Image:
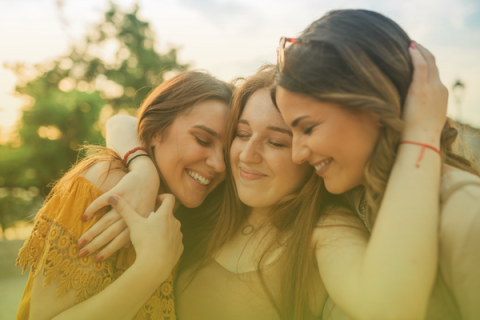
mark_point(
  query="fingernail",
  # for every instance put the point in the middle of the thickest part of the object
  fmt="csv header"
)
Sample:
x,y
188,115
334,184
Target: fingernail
x,y
83,253
81,243
98,258
412,45
84,217
113,200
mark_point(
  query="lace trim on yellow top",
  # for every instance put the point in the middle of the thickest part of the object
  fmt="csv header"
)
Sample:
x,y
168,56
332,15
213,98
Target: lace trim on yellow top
x,y
52,249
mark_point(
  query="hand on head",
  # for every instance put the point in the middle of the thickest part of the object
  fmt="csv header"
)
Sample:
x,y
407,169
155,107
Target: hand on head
x,y
425,108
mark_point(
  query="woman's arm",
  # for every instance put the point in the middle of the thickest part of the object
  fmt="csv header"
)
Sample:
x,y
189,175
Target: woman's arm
x,y
111,230
158,246
390,275
122,133
120,300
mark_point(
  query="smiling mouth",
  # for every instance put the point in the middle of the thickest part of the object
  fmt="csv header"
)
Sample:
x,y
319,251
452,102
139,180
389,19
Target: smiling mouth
x,y
323,164
251,175
202,180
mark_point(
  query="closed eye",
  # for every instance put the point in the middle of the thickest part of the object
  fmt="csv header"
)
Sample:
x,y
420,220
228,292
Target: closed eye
x,y
309,129
202,143
278,145
241,135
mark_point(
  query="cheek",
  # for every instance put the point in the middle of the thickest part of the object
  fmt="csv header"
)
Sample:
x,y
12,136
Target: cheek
x,y
290,176
235,150
298,175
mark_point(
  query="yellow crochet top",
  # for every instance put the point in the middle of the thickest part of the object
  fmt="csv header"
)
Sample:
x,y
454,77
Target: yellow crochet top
x,y
52,250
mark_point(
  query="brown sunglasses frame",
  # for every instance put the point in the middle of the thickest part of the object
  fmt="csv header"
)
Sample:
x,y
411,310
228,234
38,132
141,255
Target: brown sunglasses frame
x,y
281,49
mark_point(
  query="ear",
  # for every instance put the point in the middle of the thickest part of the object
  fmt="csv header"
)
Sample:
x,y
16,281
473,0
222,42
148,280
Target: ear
x,y
157,138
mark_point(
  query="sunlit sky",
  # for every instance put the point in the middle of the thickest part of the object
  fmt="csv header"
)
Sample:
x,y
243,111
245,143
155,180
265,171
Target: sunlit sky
x,y
233,38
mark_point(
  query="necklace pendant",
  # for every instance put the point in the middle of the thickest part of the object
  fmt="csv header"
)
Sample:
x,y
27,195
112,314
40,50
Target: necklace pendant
x,y
247,230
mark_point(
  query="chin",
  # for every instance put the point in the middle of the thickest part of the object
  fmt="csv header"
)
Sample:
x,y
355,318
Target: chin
x,y
335,188
252,200
192,203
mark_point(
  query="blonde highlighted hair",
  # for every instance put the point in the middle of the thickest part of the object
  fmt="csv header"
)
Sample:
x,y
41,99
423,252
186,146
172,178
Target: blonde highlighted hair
x,y
360,61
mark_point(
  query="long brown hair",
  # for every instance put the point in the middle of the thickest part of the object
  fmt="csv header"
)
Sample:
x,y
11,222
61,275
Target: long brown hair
x,y
157,112
296,212
360,61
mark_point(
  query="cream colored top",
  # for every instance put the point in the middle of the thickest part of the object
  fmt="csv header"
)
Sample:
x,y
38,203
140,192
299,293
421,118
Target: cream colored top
x,y
456,292
215,293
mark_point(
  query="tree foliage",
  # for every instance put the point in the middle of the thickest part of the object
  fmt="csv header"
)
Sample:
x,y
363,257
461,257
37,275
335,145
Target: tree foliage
x,y
69,99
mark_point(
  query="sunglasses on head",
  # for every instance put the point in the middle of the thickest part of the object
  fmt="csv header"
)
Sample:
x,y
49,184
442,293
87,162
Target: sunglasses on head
x,y
284,43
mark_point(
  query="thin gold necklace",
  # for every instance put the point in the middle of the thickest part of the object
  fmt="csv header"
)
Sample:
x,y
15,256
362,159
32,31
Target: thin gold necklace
x,y
362,209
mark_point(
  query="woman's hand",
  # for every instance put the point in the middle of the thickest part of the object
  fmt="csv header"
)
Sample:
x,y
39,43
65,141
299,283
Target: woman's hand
x,y
425,109
157,239
139,188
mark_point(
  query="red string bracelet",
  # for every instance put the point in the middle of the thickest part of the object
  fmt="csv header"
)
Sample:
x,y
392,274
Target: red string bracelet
x,y
125,158
423,150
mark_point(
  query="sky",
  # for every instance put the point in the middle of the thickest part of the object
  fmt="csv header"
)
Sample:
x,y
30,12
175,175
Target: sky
x,y
233,38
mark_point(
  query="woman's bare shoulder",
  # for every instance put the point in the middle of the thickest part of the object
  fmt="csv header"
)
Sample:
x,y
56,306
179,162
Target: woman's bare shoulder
x,y
338,223
458,185
102,177
460,209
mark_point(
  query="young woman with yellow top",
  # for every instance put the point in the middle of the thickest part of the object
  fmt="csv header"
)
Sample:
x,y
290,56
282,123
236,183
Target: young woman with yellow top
x,y
364,229
181,124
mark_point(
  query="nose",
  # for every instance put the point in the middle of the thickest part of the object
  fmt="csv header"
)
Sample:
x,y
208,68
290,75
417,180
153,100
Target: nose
x,y
250,153
300,151
217,160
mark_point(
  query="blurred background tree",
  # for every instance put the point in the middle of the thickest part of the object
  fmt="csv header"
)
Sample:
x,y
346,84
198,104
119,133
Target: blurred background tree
x,y
69,99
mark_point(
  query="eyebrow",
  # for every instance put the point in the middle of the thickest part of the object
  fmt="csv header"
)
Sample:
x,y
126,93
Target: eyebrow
x,y
207,129
296,121
282,130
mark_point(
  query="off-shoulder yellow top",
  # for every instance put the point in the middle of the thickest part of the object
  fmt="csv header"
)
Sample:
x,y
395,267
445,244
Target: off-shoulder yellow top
x,y
52,250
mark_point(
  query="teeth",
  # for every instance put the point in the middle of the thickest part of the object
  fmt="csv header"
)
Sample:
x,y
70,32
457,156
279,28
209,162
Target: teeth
x,y
199,178
323,164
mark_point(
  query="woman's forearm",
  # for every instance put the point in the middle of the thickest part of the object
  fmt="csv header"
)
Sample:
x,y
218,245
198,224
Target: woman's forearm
x,y
123,298
122,133
122,137
399,265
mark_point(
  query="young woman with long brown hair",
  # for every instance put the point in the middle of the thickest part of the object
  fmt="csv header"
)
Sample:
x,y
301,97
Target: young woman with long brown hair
x,y
276,250
181,123
345,87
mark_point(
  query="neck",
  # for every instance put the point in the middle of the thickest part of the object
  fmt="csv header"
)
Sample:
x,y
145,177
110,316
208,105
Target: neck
x,y
257,216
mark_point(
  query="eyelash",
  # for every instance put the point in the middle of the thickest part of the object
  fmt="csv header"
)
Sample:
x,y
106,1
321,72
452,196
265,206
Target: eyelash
x,y
309,129
202,143
277,145
240,135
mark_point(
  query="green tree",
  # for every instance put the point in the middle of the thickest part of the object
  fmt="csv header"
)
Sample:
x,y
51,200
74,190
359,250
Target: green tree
x,y
69,99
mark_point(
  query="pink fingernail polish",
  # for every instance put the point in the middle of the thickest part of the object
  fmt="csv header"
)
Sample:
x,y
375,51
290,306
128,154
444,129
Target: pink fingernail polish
x,y
81,243
412,45
113,200
83,253
84,217
98,258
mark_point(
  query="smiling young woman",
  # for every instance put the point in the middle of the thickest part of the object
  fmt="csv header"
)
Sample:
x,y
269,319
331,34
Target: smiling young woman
x,y
376,132
181,124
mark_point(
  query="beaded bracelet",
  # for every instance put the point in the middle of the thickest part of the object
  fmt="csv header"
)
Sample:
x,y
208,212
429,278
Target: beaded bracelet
x,y
125,158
